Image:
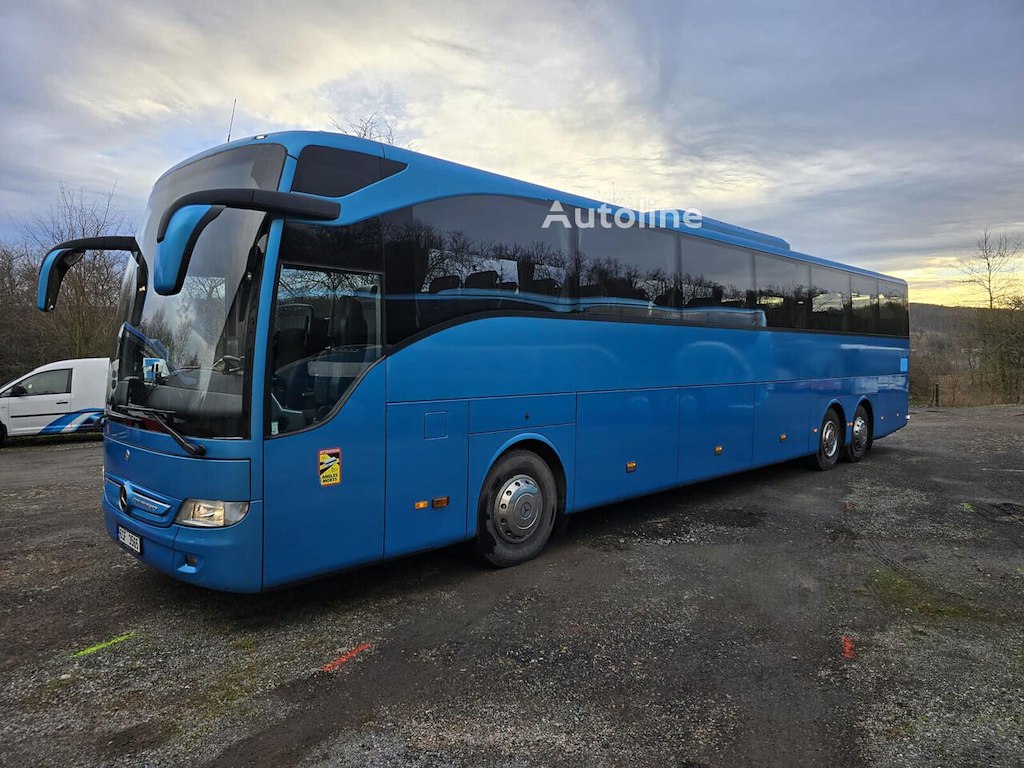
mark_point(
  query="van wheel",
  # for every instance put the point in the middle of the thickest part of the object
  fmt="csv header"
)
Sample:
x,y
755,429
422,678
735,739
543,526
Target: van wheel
x,y
830,441
860,439
3,435
516,510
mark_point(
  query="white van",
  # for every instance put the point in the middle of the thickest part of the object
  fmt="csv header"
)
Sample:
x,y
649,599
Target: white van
x,y
61,397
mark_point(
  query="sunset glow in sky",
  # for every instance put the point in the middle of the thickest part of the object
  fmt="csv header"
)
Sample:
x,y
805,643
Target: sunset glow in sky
x,y
880,134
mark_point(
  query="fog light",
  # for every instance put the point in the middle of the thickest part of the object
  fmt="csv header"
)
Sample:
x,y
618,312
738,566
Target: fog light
x,y
202,513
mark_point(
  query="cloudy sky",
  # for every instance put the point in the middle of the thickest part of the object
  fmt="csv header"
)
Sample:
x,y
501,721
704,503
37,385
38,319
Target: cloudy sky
x,y
885,134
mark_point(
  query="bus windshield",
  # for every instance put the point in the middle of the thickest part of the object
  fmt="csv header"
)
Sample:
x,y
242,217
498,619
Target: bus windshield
x,y
189,355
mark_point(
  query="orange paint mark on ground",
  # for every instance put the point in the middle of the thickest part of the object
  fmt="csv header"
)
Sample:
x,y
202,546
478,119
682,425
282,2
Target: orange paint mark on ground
x,y
347,656
848,652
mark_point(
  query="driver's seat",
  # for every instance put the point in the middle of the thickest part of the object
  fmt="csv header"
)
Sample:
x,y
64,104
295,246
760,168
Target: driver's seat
x,y
349,323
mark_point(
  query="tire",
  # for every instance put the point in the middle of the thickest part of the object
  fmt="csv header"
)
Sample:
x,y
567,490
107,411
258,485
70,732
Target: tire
x,y
3,435
517,509
830,441
860,438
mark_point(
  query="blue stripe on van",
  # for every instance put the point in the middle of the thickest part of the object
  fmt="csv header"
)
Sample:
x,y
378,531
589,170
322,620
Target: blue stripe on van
x,y
61,424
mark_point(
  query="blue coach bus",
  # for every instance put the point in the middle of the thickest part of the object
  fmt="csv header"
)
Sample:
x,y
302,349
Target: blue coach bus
x,y
334,352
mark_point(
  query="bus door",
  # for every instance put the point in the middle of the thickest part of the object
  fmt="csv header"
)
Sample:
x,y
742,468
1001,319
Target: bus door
x,y
324,448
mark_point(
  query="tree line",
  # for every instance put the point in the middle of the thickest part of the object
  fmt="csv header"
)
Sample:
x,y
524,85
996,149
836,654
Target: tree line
x,y
975,356
84,322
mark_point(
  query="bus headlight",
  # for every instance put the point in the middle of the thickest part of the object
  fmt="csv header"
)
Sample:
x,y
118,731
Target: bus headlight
x,y
201,513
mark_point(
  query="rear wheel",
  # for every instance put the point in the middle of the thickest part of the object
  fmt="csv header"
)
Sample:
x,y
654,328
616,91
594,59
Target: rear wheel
x,y
860,438
3,435
517,509
830,441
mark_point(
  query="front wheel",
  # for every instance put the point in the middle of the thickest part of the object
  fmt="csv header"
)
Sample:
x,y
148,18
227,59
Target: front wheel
x,y
860,437
830,441
517,509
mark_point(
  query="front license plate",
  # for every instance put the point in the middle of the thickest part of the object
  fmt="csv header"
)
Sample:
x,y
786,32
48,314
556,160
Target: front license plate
x,y
130,540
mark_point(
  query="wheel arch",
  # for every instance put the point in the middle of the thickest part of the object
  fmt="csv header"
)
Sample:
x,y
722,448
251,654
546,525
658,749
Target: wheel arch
x,y
869,407
544,448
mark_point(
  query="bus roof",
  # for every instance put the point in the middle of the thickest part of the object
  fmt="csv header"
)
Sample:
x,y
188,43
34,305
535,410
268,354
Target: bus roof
x,y
430,178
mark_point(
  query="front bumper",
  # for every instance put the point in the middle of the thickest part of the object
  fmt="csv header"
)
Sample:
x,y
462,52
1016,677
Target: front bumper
x,y
228,559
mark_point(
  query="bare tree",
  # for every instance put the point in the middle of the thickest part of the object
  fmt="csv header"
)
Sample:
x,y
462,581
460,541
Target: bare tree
x,y
17,338
83,323
83,318
375,126
991,266
994,342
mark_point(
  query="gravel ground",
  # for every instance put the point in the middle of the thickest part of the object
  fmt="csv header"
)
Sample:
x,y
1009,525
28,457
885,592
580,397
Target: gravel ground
x,y
870,615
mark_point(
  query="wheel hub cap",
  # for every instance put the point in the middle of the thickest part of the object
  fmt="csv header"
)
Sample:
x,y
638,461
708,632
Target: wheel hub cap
x,y
518,508
860,432
830,438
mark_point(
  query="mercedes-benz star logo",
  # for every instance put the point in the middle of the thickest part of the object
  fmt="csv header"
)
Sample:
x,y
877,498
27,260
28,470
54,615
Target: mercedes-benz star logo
x,y
122,499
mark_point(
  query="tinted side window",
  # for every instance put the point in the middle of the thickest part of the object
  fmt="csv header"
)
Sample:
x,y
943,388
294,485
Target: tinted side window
x,y
49,383
623,271
356,246
783,291
716,285
465,255
864,304
716,274
894,317
830,299
338,172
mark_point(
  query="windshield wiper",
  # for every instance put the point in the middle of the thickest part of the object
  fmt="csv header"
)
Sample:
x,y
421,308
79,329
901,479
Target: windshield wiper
x,y
160,417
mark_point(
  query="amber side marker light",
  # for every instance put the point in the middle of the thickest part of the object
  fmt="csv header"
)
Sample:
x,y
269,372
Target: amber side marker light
x,y
631,466
440,501
421,505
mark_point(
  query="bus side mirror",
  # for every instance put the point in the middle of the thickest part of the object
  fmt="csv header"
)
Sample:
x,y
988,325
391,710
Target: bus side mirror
x,y
186,218
64,256
51,275
174,250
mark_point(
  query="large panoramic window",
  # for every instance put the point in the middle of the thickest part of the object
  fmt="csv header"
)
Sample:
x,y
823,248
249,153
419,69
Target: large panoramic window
x,y
623,271
894,319
863,304
783,290
830,299
716,274
458,257
467,255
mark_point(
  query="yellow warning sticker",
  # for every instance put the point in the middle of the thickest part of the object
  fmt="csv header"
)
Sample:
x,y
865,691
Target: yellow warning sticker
x,y
330,466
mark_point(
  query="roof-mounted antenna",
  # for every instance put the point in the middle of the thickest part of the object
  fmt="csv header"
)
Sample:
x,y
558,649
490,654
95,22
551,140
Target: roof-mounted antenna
x,y
232,121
